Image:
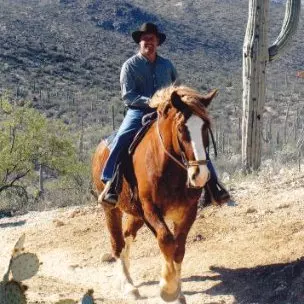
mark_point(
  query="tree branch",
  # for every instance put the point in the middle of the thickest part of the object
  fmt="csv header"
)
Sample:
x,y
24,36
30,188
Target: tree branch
x,y
11,184
13,135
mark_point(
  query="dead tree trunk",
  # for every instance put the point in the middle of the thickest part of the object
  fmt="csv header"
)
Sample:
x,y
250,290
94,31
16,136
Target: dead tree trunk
x,y
41,182
256,55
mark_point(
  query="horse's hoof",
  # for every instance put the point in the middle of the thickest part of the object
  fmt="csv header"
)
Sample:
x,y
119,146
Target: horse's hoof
x,y
181,300
128,290
107,258
133,294
170,297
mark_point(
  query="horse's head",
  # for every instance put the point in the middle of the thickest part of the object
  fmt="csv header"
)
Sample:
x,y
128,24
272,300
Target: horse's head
x,y
186,108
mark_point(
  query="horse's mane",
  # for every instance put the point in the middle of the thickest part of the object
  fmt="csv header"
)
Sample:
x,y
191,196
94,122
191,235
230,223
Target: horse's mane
x,y
190,97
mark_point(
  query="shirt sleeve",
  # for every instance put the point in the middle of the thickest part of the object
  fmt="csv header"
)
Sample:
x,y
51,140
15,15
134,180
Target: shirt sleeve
x,y
174,75
129,92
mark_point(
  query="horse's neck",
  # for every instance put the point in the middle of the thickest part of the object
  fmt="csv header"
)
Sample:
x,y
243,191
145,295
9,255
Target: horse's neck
x,y
154,169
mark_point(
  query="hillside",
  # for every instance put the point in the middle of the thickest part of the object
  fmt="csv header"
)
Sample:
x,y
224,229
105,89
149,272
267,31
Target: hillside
x,y
65,55
249,252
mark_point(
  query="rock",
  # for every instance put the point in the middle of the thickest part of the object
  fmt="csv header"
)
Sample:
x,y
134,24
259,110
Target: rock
x,y
58,223
199,238
6,213
251,210
283,206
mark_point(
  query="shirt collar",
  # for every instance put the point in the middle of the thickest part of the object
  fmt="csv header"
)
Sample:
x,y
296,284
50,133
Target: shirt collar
x,y
145,59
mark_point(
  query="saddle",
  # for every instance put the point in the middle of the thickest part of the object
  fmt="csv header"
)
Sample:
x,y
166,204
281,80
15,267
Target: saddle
x,y
147,121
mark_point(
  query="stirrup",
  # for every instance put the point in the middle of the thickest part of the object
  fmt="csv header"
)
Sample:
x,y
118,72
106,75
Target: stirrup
x,y
216,193
110,194
103,193
107,199
110,198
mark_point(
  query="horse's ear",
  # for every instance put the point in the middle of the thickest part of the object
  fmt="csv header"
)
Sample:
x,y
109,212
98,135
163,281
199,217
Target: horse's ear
x,y
165,110
206,99
177,102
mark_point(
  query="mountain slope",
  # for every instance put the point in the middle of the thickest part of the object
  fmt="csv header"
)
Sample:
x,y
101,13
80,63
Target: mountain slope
x,y
66,55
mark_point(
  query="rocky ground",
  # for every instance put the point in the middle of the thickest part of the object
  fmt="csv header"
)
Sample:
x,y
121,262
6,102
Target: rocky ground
x,y
248,252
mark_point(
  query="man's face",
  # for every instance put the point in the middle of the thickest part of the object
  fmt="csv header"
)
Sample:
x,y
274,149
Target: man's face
x,y
148,44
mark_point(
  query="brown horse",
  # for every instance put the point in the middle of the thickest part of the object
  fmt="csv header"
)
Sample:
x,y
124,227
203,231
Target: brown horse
x,y
170,168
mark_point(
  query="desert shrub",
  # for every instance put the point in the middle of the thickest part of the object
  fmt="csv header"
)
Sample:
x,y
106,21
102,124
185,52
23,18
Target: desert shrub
x,y
29,141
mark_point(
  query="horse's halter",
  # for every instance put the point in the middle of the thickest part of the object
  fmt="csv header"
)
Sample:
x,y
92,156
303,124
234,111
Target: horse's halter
x,y
185,164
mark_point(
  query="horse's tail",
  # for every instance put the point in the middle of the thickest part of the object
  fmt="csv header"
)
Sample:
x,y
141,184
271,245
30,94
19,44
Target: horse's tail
x,y
92,191
99,159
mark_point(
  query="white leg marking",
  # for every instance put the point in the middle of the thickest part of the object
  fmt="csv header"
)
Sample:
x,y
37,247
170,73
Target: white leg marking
x,y
170,282
122,267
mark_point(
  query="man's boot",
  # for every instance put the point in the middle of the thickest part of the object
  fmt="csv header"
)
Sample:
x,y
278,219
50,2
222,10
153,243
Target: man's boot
x,y
215,192
110,194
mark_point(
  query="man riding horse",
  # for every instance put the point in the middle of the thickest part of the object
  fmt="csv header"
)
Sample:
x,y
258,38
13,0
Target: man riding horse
x,y
141,76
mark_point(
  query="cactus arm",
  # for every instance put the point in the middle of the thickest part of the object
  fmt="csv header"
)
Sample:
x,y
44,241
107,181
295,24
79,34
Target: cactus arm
x,y
24,266
5,278
19,246
289,27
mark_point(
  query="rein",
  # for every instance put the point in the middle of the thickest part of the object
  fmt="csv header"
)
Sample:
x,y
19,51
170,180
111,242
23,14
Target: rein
x,y
213,142
186,163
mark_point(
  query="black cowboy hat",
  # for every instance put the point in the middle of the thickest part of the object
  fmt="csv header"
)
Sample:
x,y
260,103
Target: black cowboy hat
x,y
148,28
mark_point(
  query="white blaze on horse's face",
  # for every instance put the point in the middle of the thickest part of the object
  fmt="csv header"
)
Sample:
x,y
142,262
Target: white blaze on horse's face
x,y
197,178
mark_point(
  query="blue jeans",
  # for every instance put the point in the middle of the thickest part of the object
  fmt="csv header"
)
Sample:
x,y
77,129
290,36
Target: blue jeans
x,y
119,147
211,168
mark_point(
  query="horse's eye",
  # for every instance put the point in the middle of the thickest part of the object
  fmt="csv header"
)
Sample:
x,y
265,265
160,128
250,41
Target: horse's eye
x,y
184,132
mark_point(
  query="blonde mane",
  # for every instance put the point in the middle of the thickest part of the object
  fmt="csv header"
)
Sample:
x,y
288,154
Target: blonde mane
x,y
190,97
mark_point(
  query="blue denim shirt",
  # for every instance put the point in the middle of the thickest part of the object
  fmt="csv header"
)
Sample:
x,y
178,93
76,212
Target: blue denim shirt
x,y
140,79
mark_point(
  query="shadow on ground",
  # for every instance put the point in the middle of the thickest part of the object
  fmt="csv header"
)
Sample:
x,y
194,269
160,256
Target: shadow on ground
x,y
276,283
12,224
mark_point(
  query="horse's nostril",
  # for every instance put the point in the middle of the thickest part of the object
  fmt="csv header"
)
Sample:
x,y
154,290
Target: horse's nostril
x,y
195,174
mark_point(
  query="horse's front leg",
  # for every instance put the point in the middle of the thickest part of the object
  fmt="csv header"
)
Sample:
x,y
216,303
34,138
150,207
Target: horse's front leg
x,y
181,230
169,282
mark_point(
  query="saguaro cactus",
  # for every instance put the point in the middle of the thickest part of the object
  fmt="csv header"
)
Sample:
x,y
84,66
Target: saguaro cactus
x,y
256,55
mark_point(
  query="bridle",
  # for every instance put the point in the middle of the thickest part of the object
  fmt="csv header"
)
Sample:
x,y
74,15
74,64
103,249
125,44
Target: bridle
x,y
185,164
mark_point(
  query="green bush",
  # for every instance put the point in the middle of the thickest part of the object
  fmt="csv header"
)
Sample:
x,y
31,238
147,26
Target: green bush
x,y
28,140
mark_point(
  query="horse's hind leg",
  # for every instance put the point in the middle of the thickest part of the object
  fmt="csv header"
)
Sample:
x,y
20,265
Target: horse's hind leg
x,y
120,250
114,225
132,226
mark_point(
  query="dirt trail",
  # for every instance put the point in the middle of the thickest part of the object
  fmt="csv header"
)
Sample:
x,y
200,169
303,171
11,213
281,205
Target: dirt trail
x,y
251,252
